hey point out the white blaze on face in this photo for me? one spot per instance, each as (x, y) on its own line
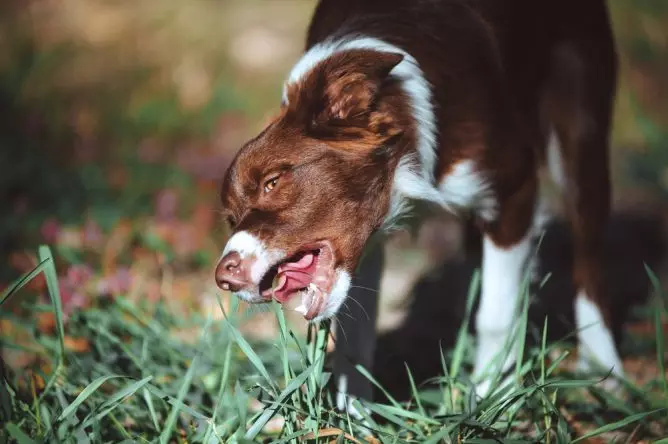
(249, 246)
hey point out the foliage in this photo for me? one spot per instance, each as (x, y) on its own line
(118, 372)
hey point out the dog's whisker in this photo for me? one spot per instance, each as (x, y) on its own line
(339, 327)
(360, 305)
(373, 290)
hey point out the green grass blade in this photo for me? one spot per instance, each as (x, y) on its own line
(443, 434)
(18, 434)
(271, 410)
(570, 383)
(241, 401)
(408, 414)
(175, 402)
(6, 397)
(543, 351)
(223, 382)
(364, 371)
(54, 292)
(251, 355)
(22, 281)
(556, 362)
(171, 419)
(414, 390)
(660, 349)
(656, 284)
(85, 394)
(460, 346)
(383, 411)
(448, 384)
(616, 425)
(658, 323)
(116, 400)
(522, 333)
(287, 371)
(151, 408)
(292, 437)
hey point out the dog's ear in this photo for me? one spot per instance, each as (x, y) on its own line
(342, 93)
(352, 85)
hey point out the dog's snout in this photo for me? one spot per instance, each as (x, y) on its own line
(232, 272)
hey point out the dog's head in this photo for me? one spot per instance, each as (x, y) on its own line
(304, 196)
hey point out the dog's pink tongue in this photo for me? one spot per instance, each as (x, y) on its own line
(293, 276)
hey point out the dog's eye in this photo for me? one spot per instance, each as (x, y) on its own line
(231, 221)
(271, 184)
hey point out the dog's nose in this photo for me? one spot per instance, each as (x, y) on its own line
(232, 272)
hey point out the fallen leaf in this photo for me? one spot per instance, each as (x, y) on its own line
(77, 345)
(46, 322)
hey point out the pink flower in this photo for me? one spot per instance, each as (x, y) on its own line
(150, 151)
(92, 233)
(71, 299)
(118, 283)
(123, 280)
(50, 230)
(166, 203)
(78, 275)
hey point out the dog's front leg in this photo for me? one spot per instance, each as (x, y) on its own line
(507, 245)
(356, 331)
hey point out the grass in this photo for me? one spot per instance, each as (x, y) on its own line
(137, 381)
(126, 371)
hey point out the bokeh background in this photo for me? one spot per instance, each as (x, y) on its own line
(119, 118)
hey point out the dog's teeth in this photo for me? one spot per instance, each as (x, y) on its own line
(302, 309)
(307, 299)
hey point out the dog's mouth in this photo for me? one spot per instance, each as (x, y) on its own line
(309, 273)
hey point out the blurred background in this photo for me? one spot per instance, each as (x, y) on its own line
(119, 118)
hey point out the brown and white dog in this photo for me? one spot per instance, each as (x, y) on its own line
(453, 102)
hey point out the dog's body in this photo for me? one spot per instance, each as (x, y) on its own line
(454, 102)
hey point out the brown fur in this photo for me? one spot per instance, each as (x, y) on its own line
(499, 73)
(326, 138)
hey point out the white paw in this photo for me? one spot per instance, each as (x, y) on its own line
(351, 410)
(484, 387)
(597, 353)
(344, 402)
(491, 351)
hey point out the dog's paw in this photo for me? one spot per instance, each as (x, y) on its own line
(346, 405)
(486, 368)
(349, 407)
(488, 386)
(482, 388)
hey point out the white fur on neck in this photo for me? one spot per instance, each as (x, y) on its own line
(410, 184)
(464, 186)
(414, 177)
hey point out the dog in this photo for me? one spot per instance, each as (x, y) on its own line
(457, 103)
